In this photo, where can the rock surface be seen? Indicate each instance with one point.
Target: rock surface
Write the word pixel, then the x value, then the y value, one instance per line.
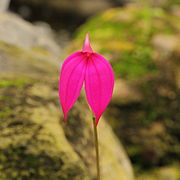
pixel 14 30
pixel 34 141
pixel 4 4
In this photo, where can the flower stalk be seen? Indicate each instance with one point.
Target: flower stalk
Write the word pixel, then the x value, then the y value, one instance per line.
pixel 96 143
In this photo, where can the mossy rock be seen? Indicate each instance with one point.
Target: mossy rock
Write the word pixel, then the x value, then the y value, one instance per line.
pixel 31 136
pixel 34 141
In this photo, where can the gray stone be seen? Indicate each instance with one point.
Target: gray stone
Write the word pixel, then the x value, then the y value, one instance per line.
pixel 4 4
pixel 16 31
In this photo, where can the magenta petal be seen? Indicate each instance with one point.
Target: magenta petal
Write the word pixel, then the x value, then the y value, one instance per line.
pixel 71 81
pixel 99 83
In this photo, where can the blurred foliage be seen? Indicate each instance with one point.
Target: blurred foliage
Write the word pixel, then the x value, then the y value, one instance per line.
pixel 126 35
pixel 143 47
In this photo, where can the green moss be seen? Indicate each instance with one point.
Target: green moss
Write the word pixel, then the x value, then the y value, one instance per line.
pixel 40 50
pixel 12 50
pixel 16 51
pixel 32 145
pixel 5 113
pixel 138 63
pixel 19 82
pixel 27 62
pixel 18 163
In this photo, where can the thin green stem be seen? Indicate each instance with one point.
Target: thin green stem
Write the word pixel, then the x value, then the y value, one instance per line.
pixel 96 148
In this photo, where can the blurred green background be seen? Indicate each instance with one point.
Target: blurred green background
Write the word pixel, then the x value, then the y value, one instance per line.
pixel 141 39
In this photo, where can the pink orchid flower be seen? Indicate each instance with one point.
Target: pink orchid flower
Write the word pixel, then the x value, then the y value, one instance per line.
pixel 93 70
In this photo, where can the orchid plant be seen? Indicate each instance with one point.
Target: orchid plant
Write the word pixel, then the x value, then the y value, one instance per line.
pixel 93 70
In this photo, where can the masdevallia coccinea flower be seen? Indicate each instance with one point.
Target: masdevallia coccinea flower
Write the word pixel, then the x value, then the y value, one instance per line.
pixel 93 70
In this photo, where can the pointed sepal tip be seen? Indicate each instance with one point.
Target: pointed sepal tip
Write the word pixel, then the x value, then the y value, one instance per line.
pixel 87 46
